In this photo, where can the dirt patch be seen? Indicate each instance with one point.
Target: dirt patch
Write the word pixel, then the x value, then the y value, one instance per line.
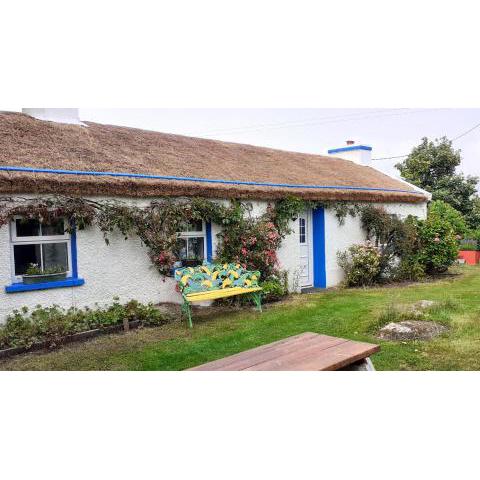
pixel 411 330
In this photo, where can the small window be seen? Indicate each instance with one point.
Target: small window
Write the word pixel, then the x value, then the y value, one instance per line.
pixel 302 230
pixel 191 243
pixel 193 226
pixel 44 244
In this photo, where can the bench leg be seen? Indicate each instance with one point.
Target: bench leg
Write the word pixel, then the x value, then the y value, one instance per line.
pixel 364 365
pixel 187 311
pixel 257 299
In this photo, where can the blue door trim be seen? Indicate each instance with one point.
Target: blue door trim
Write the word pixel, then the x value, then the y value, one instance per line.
pixel 208 228
pixel 73 245
pixel 319 268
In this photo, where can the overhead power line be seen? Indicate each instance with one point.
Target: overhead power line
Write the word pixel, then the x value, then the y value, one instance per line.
pixel 453 140
pixel 466 133
pixel 291 122
pixel 318 121
pixel 391 158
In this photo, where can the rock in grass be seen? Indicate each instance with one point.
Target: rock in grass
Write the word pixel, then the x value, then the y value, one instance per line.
pixel 411 330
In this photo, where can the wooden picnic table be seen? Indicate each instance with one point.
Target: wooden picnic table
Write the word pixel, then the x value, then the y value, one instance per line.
pixel 307 351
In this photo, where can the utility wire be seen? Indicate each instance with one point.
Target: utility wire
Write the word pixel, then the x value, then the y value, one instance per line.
pixel 288 123
pixel 453 140
pixel 391 158
pixel 466 133
pixel 312 122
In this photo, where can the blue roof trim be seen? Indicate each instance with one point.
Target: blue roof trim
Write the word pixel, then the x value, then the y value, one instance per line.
pixel 21 287
pixel 349 149
pixel 201 180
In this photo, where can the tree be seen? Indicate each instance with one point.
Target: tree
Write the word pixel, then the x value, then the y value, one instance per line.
pixel 432 166
pixel 443 211
pixel 460 192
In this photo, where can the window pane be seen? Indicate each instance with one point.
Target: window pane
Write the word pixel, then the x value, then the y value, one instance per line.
pixel 24 255
pixel 195 248
pixel 302 230
pixel 182 248
pixel 55 228
pixel 27 228
pixel 193 226
pixel 55 255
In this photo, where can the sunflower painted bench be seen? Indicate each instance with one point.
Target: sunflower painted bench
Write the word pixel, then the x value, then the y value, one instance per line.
pixel 211 281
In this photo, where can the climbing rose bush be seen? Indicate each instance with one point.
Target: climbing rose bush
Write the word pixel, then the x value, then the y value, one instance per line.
pixel 252 243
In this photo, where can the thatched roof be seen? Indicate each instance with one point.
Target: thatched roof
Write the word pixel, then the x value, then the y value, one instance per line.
pixel 27 142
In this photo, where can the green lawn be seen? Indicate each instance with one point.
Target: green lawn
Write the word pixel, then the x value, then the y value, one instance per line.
pixel 343 313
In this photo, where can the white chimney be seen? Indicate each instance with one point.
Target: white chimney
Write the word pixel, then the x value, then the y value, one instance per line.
pixel 361 154
pixel 60 115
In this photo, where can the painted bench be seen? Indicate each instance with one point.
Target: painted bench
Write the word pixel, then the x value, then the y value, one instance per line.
pixel 211 281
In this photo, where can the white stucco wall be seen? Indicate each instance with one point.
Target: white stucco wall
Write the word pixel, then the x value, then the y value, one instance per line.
pixel 120 269
pixel 123 268
pixel 340 237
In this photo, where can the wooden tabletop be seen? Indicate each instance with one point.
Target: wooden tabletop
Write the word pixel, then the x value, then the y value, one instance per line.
pixel 307 351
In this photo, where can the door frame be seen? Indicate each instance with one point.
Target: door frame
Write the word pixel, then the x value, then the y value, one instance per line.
pixel 319 258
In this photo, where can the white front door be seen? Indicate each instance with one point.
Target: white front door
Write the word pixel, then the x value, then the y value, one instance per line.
pixel 305 240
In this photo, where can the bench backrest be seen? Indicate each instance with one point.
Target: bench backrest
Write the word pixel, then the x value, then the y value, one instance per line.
pixel 212 276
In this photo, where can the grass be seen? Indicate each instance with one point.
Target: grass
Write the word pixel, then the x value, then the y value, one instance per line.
pixel 353 314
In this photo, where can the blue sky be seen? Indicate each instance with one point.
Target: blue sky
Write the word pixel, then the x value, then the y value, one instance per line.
pixel 390 131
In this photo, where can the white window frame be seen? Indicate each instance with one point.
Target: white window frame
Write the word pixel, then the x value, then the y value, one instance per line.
pixel 197 234
pixel 305 231
pixel 36 240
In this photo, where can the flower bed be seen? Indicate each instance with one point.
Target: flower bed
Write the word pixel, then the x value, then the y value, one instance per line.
pixel 47 327
pixel 76 337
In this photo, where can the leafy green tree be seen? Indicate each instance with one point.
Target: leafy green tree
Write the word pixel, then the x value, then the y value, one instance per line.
pixel 432 166
pixel 461 193
pixel 443 211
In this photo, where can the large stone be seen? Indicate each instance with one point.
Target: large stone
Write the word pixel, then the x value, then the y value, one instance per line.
pixel 411 330
pixel 397 328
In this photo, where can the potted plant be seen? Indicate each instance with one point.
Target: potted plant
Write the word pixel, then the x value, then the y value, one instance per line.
pixel 34 274
pixel 191 262
pixel 469 251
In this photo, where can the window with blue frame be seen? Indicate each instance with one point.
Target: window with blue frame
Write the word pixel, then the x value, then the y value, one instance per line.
pixel 43 244
pixel 191 244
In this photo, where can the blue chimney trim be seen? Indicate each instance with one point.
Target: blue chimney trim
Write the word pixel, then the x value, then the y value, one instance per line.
pixel 349 149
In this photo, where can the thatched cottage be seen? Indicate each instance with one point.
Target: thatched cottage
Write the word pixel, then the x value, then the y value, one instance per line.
pixel 49 151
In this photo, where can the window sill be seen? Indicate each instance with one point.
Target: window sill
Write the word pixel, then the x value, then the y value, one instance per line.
pixel 21 287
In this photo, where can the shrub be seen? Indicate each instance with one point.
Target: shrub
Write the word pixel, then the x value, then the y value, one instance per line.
pixel 51 324
pixel 18 331
pixel 470 247
pixel 446 213
pixel 361 264
pixel 471 240
pixel 438 245
pixel 275 287
pixel 409 268
pixel 411 248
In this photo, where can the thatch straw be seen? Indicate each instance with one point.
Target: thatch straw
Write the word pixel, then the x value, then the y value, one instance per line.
pixel 27 142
